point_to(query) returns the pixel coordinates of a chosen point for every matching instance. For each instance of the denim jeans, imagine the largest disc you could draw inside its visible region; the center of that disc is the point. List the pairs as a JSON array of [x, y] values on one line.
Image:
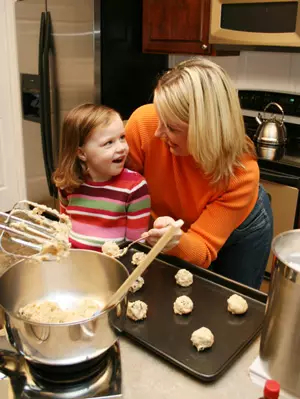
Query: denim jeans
[[245, 254]]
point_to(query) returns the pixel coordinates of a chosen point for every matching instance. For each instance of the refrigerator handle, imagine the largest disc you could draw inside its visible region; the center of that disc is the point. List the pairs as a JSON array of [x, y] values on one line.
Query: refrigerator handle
[[47, 103], [42, 104]]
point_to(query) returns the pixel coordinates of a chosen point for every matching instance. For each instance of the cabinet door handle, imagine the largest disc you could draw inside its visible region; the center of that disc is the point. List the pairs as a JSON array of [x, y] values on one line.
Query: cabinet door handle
[[204, 47]]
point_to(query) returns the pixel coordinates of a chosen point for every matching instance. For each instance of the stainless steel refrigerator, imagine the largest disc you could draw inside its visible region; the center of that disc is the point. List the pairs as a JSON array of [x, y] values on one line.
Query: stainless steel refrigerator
[[71, 52]]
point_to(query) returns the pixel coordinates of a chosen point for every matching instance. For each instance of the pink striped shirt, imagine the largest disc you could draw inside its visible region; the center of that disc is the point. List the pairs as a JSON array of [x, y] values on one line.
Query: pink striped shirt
[[115, 210]]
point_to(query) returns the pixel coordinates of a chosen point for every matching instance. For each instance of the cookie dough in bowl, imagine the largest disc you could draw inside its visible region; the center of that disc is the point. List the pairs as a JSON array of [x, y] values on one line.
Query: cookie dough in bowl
[[137, 310], [237, 304], [51, 312], [183, 305], [202, 338], [184, 278]]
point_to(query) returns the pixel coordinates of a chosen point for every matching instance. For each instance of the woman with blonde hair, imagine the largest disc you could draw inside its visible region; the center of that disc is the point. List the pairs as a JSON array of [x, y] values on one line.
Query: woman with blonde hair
[[192, 148]]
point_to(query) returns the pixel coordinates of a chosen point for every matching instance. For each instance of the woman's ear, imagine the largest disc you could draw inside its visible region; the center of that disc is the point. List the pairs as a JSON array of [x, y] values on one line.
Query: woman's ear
[[81, 155]]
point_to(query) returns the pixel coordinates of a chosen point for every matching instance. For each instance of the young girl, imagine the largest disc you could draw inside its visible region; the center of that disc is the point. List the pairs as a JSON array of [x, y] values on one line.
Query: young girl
[[104, 200]]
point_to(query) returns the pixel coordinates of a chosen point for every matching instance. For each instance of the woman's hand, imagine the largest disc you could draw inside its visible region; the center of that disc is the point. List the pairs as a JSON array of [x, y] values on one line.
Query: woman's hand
[[160, 226]]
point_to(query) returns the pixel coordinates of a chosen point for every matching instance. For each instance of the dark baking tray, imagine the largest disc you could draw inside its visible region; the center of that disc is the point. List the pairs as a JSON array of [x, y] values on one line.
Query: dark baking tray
[[168, 334]]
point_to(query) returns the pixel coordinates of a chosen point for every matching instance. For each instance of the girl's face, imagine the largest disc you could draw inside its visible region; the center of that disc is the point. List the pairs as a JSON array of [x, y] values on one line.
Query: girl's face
[[175, 136], [105, 151]]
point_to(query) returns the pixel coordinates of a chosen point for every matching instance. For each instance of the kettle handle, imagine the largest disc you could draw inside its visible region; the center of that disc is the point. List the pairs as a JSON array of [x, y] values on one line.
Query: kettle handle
[[280, 108]]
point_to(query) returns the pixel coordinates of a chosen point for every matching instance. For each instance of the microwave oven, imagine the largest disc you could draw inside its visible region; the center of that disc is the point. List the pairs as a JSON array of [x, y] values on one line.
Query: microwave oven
[[255, 22]]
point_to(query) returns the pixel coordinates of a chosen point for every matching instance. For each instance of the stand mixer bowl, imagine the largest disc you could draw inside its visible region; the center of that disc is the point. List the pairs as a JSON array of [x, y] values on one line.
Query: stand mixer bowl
[[81, 275]]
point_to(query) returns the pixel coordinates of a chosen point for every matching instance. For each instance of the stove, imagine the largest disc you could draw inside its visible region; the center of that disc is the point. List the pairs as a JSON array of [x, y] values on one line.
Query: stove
[[96, 378], [279, 165], [285, 158]]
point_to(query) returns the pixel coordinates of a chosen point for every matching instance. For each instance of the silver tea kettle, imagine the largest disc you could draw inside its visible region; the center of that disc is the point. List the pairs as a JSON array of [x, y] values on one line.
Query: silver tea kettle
[[270, 130]]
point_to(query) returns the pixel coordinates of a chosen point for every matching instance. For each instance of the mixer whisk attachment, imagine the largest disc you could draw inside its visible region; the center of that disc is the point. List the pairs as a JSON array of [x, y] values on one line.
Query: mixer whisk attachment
[[42, 229]]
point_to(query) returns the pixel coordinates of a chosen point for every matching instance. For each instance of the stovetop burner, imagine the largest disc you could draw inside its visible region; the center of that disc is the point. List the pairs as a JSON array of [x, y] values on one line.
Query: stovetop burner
[[96, 378], [76, 373]]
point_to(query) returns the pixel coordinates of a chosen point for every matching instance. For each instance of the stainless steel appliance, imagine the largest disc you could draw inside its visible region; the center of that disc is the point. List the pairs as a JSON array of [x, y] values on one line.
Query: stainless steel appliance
[[82, 275], [255, 22], [70, 360], [70, 52], [96, 379], [271, 131], [280, 345], [279, 165]]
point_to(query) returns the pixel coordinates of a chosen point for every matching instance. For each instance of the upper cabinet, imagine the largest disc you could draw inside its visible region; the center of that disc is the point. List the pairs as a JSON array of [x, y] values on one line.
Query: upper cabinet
[[176, 26]]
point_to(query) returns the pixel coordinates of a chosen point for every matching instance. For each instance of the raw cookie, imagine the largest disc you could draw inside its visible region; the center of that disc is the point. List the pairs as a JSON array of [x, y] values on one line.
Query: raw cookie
[[137, 310], [184, 278], [137, 285], [237, 304], [183, 305], [202, 338], [111, 248], [137, 258]]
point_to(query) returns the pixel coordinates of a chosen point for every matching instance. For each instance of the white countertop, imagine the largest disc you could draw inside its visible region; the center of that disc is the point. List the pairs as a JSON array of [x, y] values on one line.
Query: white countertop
[[147, 376]]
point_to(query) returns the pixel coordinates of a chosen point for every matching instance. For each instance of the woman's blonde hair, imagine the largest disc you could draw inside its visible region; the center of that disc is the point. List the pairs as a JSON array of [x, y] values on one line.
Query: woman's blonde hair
[[78, 125], [200, 93]]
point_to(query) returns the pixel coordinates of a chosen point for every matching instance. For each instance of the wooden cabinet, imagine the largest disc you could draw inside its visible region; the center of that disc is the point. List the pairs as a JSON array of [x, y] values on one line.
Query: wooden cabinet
[[176, 26]]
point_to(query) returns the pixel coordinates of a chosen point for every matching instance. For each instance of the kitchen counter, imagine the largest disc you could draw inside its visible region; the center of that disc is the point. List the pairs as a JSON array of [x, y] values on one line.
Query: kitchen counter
[[147, 376]]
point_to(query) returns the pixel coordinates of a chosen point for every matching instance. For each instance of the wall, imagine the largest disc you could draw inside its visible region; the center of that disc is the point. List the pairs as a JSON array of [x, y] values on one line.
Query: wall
[[12, 178], [259, 70]]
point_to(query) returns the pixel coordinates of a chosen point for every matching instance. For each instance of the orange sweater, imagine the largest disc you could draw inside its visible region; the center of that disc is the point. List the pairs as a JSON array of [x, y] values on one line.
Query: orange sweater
[[178, 188]]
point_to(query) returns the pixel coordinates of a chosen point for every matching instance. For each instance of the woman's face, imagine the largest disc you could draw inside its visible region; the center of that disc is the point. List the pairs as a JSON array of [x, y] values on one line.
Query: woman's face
[[175, 136]]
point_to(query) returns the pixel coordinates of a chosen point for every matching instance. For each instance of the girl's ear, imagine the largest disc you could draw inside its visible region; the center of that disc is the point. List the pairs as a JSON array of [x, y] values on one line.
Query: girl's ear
[[81, 155]]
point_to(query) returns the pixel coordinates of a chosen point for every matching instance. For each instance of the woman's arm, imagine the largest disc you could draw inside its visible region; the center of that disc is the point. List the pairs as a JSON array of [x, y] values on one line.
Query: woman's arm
[[200, 243], [138, 211]]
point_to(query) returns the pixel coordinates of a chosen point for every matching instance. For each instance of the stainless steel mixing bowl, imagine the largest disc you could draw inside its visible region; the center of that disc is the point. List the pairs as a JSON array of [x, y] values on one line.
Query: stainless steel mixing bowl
[[83, 274]]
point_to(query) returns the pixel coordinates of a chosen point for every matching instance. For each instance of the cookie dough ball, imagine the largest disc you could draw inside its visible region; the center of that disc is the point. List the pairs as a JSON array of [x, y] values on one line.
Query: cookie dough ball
[[184, 278], [237, 304], [111, 248], [137, 285], [137, 310], [202, 338], [183, 305], [137, 258]]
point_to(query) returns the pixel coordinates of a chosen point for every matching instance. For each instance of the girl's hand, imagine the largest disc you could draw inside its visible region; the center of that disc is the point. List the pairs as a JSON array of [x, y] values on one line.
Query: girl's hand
[[160, 226]]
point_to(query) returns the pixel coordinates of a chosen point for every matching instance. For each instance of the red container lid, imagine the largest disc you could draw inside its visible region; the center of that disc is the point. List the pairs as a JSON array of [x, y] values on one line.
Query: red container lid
[[272, 389]]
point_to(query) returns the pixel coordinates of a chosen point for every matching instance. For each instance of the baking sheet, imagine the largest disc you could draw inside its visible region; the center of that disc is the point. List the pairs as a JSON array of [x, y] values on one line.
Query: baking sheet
[[168, 334]]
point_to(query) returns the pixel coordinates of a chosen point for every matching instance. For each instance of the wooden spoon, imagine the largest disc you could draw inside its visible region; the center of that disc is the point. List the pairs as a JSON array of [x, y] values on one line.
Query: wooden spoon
[[156, 249]]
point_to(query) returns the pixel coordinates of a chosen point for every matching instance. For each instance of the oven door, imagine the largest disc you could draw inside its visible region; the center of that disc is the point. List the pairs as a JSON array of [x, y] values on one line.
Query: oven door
[[283, 192]]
